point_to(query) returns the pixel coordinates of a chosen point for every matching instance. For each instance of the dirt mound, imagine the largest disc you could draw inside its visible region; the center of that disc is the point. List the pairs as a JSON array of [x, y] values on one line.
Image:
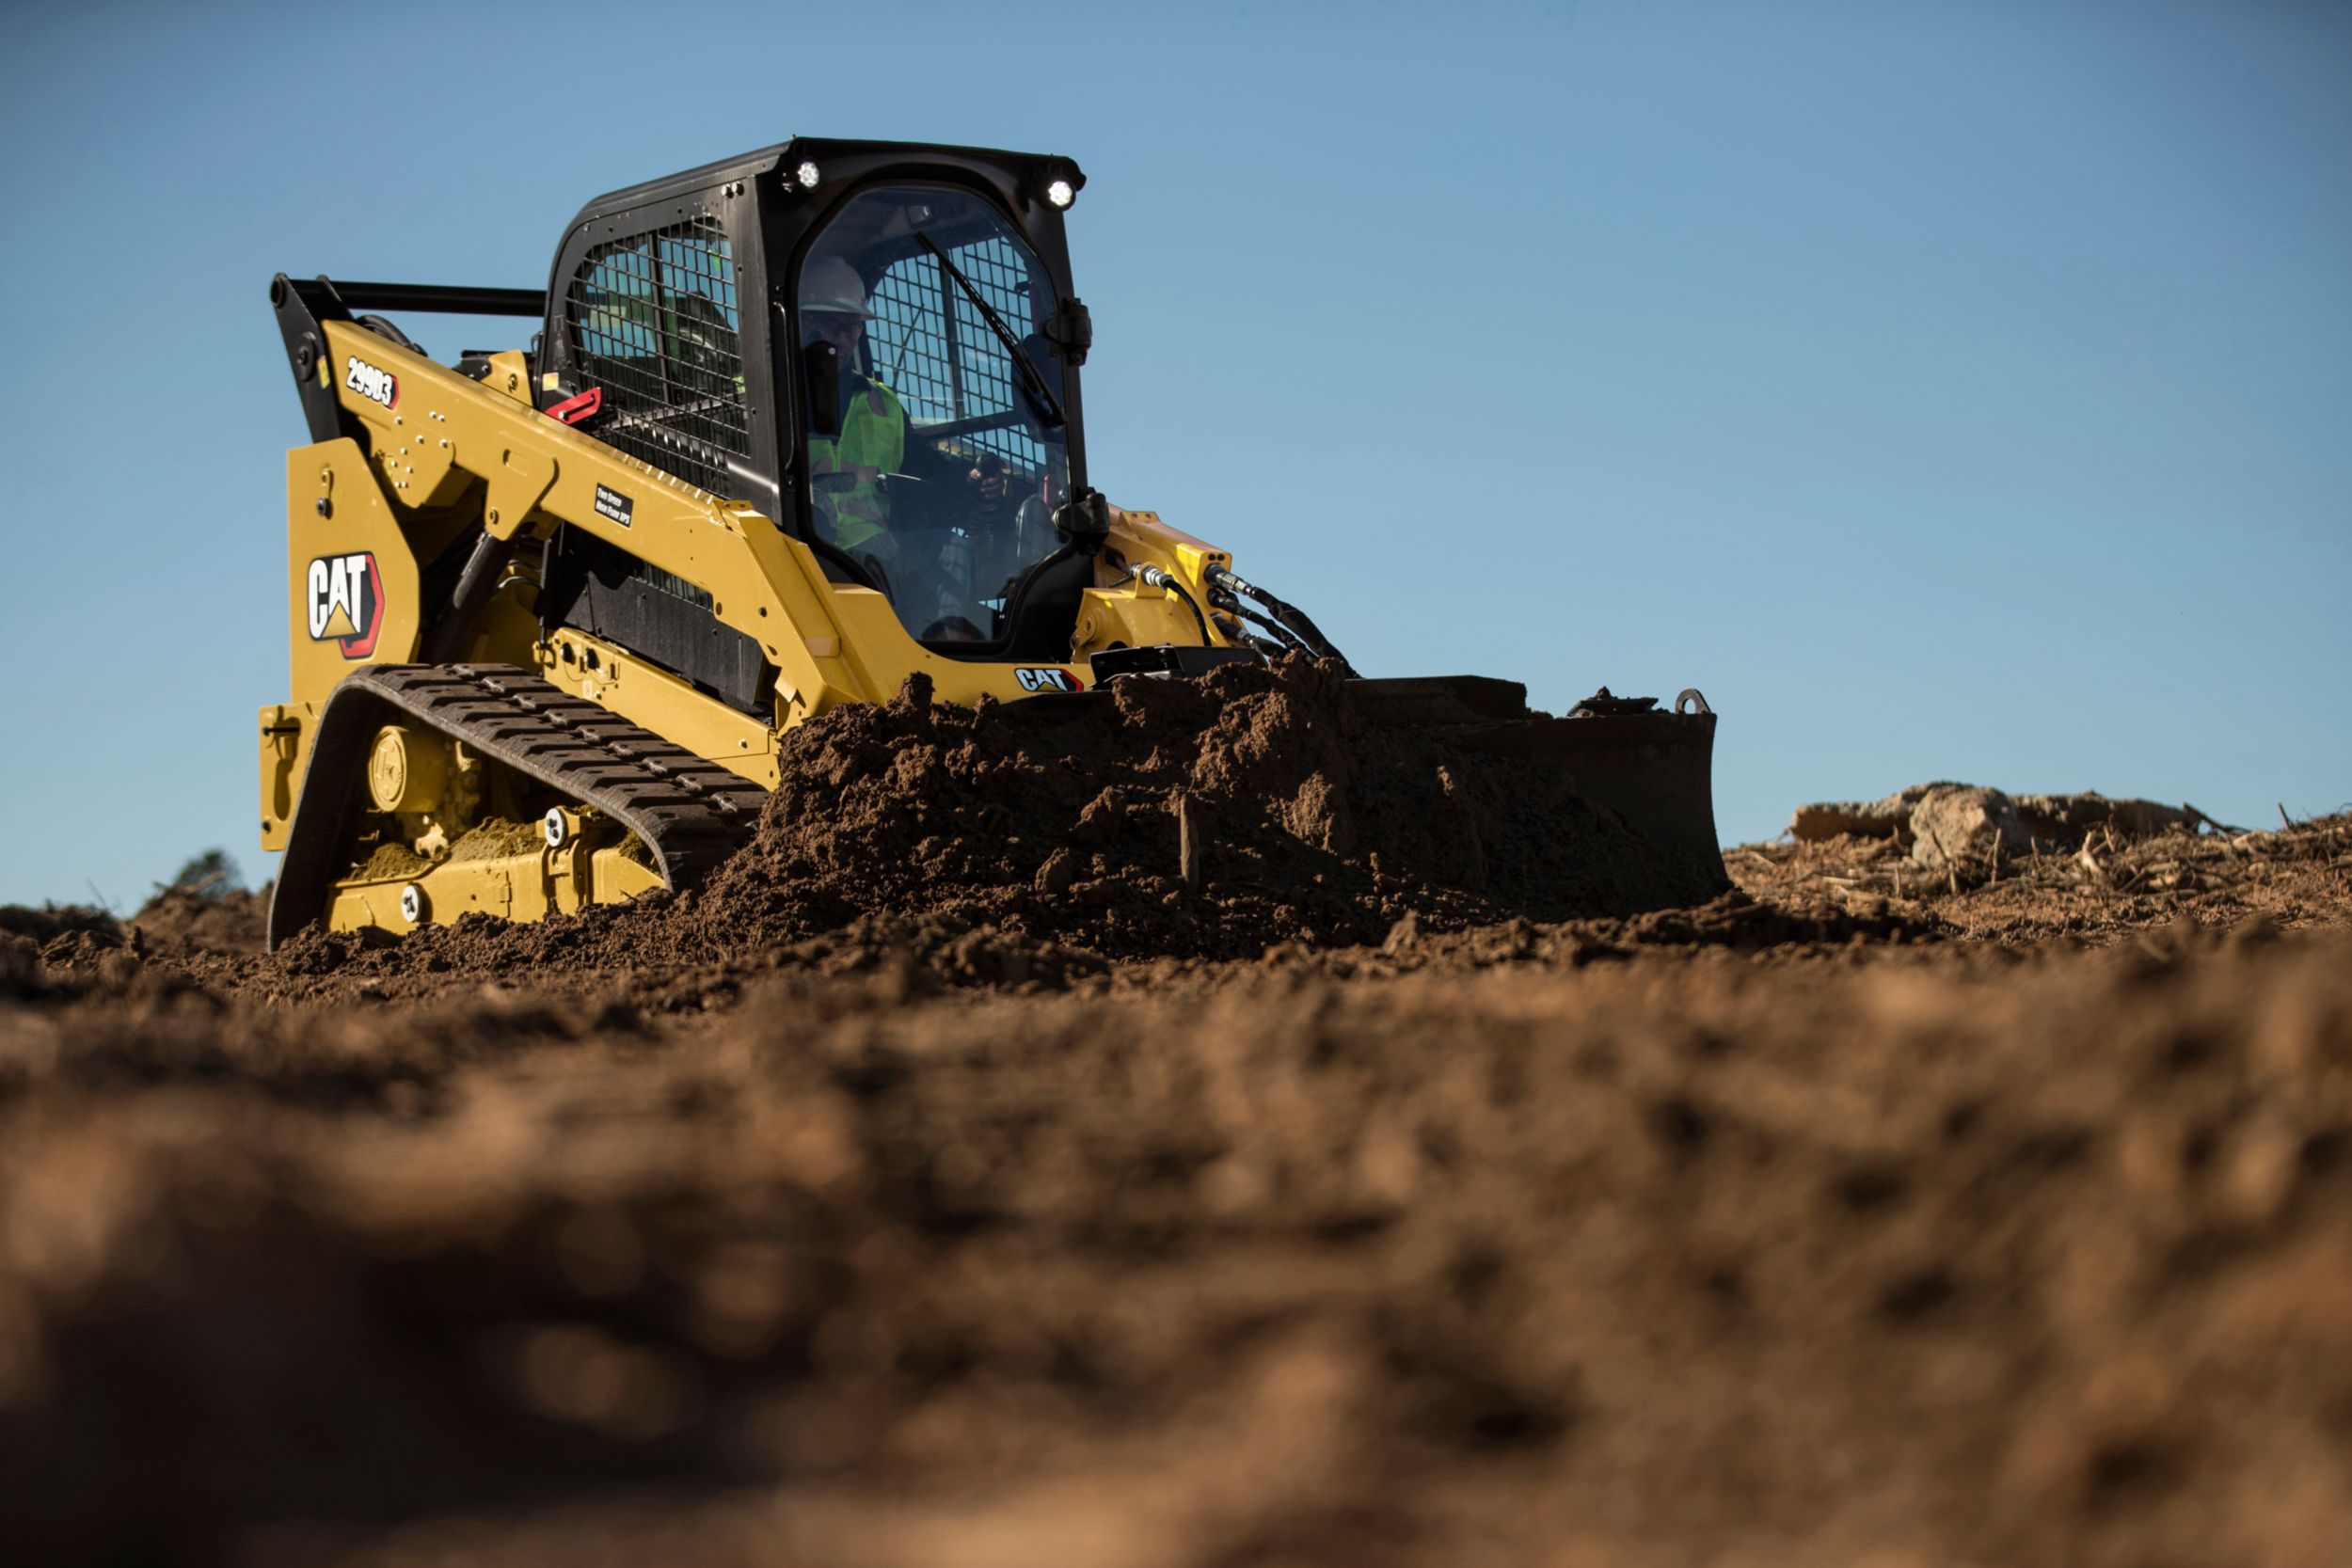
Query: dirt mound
[[2056, 820], [230, 921], [1196, 819], [1963, 1255], [52, 921], [2108, 882], [1206, 817], [60, 952]]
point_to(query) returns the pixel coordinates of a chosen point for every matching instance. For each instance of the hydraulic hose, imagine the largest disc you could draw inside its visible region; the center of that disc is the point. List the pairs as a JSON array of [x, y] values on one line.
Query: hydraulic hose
[[452, 629], [1285, 640], [1236, 633], [1294, 621], [1225, 616], [1297, 622], [1154, 577]]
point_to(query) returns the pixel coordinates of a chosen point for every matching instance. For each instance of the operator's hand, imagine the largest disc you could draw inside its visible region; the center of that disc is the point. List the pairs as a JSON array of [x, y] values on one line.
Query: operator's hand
[[989, 482]]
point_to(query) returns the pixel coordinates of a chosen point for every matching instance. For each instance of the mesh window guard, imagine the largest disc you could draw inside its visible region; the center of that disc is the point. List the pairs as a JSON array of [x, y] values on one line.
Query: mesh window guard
[[656, 323], [943, 375]]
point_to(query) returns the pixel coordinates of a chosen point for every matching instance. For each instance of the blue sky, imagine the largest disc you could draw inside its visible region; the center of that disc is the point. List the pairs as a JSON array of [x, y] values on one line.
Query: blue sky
[[1948, 389]]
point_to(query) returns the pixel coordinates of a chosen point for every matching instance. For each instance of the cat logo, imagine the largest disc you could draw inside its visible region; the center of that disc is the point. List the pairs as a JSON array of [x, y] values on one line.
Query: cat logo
[[346, 602], [1047, 680]]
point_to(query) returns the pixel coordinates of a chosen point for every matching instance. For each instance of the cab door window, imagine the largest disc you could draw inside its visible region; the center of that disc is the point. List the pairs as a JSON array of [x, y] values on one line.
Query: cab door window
[[950, 453]]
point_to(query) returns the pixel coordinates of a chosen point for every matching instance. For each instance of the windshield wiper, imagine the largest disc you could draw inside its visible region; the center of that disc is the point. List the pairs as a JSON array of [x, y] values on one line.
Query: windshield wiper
[[1031, 382]]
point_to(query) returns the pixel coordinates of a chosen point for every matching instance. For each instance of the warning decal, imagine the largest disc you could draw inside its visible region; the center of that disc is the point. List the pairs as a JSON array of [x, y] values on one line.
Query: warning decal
[[614, 507]]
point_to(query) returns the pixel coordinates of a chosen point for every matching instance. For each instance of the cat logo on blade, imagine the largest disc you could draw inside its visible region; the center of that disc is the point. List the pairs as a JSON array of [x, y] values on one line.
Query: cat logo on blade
[[369, 382], [614, 507], [1047, 680], [346, 602]]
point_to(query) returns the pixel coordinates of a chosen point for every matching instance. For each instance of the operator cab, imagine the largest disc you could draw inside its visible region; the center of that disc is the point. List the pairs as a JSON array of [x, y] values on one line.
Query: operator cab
[[906, 403]]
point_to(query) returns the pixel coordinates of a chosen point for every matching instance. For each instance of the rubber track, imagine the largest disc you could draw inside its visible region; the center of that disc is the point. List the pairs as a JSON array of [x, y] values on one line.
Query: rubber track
[[691, 814]]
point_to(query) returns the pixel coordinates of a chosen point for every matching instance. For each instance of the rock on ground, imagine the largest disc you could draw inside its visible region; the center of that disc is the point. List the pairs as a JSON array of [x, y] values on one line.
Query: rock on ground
[[1947, 825]]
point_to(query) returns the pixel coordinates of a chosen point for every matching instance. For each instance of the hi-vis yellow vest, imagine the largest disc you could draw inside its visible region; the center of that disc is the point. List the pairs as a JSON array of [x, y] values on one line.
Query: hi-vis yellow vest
[[873, 441]]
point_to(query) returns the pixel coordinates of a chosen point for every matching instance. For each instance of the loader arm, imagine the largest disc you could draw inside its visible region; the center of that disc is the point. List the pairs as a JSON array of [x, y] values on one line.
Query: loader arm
[[430, 434]]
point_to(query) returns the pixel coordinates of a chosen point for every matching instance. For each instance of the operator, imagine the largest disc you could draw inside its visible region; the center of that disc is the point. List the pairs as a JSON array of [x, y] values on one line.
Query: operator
[[851, 508]]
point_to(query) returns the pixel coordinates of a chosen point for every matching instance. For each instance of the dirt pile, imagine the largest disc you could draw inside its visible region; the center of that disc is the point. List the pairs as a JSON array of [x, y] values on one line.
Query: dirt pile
[[1209, 818], [56, 953], [1199, 820], [2105, 881], [64, 950], [179, 920], [1960, 1254], [1970, 829]]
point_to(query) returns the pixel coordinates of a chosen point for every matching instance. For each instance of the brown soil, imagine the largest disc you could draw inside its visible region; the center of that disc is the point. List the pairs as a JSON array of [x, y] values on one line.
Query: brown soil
[[231, 922], [1839, 1219], [2296, 877], [1058, 828]]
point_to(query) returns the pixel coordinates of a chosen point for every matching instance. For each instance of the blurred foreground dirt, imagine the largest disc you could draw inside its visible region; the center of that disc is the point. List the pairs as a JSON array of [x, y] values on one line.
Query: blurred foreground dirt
[[1860, 1216]]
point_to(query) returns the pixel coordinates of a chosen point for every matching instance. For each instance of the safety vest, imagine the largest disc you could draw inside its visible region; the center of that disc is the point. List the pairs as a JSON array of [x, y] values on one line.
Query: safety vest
[[873, 442]]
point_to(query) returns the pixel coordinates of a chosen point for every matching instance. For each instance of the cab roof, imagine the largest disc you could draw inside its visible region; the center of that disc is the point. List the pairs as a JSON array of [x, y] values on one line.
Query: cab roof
[[766, 160]]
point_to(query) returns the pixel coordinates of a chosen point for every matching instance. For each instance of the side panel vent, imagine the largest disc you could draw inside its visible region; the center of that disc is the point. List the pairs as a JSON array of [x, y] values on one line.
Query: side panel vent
[[610, 593]]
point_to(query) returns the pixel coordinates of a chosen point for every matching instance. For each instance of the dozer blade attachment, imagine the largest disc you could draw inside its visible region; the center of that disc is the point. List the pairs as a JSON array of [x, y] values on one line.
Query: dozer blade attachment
[[1649, 769], [1609, 811]]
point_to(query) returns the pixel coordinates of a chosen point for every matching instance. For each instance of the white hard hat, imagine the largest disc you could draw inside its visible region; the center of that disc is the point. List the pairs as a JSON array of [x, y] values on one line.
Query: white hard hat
[[830, 284]]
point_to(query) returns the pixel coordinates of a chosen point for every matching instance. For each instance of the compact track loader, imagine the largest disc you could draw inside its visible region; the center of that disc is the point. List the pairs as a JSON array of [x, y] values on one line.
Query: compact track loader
[[792, 427]]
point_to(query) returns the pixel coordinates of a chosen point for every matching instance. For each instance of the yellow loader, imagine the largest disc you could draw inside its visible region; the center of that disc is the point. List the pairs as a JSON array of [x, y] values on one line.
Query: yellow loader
[[792, 427]]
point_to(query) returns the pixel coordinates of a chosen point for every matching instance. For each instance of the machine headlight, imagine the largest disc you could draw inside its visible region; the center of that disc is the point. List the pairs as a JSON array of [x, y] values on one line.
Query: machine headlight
[[807, 176], [1061, 194]]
